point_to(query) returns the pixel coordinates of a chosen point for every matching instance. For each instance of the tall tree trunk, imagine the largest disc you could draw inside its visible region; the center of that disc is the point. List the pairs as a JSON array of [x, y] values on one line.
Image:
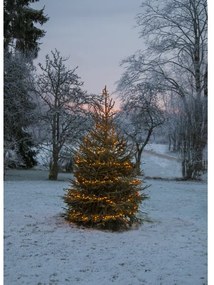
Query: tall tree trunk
[[53, 174], [139, 151], [193, 167], [138, 163], [192, 153]]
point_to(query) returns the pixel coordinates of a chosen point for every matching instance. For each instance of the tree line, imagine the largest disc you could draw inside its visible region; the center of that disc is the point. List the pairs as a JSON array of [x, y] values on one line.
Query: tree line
[[163, 85]]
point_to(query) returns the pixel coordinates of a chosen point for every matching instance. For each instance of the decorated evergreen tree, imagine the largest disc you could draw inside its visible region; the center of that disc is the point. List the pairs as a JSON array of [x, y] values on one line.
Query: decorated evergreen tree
[[105, 191]]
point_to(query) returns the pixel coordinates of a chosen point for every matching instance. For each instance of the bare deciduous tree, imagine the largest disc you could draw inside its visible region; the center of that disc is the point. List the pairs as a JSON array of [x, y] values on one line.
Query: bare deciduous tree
[[140, 115], [175, 61], [60, 90]]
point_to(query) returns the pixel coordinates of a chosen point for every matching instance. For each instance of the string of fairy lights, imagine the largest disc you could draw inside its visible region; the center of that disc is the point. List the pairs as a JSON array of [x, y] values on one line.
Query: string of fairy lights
[[99, 218], [89, 183], [109, 163]]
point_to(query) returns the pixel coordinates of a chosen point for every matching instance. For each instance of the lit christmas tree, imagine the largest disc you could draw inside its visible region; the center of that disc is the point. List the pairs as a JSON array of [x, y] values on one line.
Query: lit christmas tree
[[105, 191]]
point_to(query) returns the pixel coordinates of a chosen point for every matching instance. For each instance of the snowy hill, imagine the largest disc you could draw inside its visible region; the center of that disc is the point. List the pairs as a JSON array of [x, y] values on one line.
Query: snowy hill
[[157, 162]]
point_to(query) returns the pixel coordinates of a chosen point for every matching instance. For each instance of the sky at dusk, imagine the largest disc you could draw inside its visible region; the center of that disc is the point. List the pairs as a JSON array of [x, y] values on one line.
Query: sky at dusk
[[95, 34]]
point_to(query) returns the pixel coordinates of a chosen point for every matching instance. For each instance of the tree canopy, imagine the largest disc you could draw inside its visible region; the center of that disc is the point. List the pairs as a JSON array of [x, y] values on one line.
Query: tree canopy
[[21, 25]]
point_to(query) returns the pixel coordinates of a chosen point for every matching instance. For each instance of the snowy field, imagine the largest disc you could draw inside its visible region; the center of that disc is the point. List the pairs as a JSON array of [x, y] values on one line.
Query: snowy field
[[169, 248], [158, 163]]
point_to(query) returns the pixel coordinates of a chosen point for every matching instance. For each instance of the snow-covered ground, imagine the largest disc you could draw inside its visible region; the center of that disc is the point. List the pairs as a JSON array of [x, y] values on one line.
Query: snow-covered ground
[[169, 248]]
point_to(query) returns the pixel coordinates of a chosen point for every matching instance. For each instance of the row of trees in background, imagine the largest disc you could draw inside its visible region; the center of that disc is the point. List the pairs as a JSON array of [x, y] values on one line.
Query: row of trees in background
[[174, 66], [163, 85]]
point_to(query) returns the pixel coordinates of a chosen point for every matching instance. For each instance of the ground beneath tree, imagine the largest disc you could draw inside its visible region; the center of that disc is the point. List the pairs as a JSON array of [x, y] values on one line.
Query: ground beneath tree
[[41, 248], [169, 248]]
